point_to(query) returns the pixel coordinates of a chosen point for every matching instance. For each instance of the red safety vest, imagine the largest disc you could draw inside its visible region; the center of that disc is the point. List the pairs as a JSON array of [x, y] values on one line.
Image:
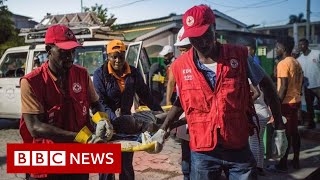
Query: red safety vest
[[228, 107], [68, 111]]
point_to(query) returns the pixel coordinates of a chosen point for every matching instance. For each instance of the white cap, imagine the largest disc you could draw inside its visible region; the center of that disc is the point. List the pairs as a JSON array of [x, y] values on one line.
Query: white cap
[[166, 49], [182, 42]]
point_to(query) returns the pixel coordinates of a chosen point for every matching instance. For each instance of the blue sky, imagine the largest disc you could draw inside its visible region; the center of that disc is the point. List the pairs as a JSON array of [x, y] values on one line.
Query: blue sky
[[263, 12]]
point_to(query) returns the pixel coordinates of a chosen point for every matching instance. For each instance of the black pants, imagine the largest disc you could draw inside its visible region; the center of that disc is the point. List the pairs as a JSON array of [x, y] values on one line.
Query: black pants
[[310, 95]]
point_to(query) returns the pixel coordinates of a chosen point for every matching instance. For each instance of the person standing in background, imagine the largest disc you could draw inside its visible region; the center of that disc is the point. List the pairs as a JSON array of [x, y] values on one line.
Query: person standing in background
[[310, 63]]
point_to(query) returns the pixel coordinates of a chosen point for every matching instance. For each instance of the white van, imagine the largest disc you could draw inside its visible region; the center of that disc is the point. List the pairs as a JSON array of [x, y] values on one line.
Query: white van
[[18, 61]]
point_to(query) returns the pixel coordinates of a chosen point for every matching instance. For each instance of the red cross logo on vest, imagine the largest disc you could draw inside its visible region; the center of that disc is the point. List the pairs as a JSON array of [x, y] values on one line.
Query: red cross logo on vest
[[76, 87], [234, 63]]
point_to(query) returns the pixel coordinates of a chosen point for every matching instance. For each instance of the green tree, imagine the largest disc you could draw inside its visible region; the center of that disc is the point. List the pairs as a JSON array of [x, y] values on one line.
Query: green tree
[[9, 35], [6, 24], [297, 18], [101, 13]]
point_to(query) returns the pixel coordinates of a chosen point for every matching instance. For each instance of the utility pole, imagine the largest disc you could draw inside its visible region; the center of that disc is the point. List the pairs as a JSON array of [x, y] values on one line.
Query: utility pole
[[81, 6], [308, 21]]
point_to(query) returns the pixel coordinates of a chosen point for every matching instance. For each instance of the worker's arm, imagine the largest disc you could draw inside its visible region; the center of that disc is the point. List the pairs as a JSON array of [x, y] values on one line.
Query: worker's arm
[[170, 87], [38, 129], [259, 77], [283, 88], [174, 114]]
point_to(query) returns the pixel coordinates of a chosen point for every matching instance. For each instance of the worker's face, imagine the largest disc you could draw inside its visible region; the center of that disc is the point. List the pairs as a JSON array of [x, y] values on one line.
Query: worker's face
[[60, 58], [117, 60], [251, 51], [184, 49], [279, 50], [303, 47], [167, 58], [204, 44]]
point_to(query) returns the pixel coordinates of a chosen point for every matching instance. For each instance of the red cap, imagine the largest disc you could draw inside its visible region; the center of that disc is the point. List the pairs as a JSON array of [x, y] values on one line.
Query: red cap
[[197, 20], [61, 36]]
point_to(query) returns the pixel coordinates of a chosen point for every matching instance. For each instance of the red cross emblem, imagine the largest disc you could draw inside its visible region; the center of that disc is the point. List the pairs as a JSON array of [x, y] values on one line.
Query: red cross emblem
[[190, 20]]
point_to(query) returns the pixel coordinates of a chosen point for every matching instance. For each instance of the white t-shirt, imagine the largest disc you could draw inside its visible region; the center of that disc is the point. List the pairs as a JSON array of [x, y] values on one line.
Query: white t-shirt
[[261, 107], [311, 67]]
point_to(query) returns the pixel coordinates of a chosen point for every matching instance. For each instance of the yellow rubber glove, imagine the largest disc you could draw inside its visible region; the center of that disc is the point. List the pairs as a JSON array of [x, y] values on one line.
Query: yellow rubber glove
[[85, 136]]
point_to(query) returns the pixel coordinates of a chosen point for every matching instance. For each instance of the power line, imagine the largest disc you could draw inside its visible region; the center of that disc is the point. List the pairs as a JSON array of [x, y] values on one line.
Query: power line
[[256, 6], [126, 4]]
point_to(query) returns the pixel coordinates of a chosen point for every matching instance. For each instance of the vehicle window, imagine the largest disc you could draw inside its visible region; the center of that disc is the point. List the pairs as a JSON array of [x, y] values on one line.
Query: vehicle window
[[13, 65], [132, 55], [39, 58], [145, 61], [90, 57]]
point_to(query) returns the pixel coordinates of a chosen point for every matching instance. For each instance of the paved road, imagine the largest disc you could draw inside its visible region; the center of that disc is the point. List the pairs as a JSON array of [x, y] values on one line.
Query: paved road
[[166, 164]]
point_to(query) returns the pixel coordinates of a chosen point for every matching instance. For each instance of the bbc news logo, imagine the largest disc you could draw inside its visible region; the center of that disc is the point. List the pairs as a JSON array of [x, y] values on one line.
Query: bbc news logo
[[63, 158]]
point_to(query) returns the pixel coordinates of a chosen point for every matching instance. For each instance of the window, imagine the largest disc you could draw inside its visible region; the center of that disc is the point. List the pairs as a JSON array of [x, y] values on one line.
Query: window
[[13, 65], [132, 55], [90, 57], [39, 58]]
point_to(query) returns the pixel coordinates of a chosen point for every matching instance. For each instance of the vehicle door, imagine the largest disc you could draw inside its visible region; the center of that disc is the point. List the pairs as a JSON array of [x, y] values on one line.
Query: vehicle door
[[137, 56], [12, 67]]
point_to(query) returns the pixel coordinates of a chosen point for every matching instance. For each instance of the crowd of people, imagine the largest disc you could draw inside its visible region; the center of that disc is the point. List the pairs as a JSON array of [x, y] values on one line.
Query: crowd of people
[[221, 90]]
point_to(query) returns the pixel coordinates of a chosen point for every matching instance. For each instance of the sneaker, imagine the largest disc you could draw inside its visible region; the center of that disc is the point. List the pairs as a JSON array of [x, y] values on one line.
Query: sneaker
[[276, 169]]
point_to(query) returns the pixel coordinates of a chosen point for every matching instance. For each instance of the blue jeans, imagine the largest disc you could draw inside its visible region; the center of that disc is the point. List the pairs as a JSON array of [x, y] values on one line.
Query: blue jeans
[[238, 164], [127, 172], [185, 160]]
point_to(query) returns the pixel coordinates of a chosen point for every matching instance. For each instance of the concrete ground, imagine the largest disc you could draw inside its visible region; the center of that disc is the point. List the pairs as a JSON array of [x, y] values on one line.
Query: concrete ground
[[166, 165]]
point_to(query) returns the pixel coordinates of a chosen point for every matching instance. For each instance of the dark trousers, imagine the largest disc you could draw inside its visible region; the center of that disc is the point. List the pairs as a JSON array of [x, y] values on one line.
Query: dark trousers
[[238, 164], [127, 172], [185, 160], [310, 95]]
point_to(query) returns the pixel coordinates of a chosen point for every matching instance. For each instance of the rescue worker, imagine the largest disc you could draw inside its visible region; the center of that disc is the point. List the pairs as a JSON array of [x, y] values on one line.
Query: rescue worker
[[183, 46], [116, 83], [158, 75], [56, 97], [217, 102]]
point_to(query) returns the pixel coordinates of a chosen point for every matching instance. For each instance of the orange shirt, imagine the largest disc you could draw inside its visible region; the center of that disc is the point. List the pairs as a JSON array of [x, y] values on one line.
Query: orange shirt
[[291, 69], [121, 79]]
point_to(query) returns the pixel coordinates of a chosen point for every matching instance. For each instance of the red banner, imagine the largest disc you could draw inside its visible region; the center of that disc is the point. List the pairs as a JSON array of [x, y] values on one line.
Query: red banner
[[63, 158]]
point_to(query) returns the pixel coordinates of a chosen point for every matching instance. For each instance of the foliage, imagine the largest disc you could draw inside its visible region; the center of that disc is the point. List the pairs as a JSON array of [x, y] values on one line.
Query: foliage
[[9, 35], [297, 18], [6, 25], [100, 11]]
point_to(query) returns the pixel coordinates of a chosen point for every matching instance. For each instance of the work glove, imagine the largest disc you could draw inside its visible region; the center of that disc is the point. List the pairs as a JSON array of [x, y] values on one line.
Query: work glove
[[85, 136], [280, 143], [159, 136], [147, 139], [104, 128]]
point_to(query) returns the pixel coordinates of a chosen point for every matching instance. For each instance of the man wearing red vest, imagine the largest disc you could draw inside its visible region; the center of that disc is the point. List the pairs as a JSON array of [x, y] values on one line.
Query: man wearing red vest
[[56, 98], [216, 101]]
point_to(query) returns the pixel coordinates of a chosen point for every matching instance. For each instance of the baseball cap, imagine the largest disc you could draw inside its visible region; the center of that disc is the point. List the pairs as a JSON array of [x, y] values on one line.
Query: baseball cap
[[197, 20], [61, 36], [115, 46], [182, 42], [166, 50]]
